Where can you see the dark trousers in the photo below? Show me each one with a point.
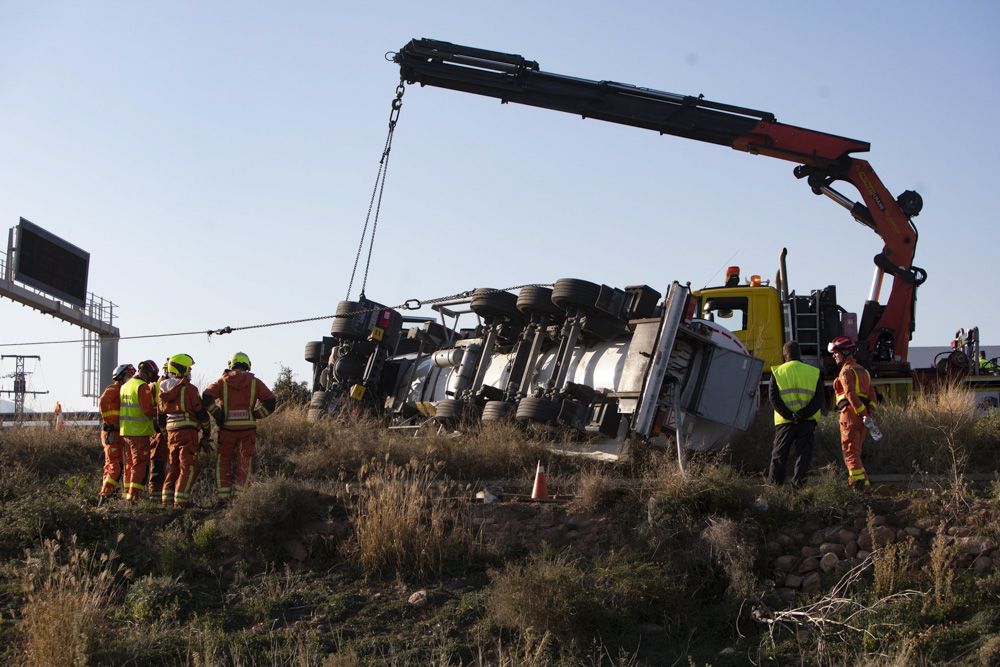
(785, 436)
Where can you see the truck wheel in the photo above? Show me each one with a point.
(496, 411)
(570, 293)
(492, 305)
(449, 410)
(346, 324)
(318, 406)
(536, 409)
(535, 300)
(314, 352)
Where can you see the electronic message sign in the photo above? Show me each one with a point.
(50, 264)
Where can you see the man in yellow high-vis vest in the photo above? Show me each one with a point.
(796, 392)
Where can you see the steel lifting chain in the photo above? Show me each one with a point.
(375, 202)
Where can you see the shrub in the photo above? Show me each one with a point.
(577, 601)
(268, 514)
(731, 550)
(69, 591)
(155, 598)
(406, 525)
(289, 392)
(48, 453)
(678, 500)
(25, 519)
(989, 652)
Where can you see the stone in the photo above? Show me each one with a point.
(418, 598)
(832, 548)
(845, 536)
(792, 581)
(960, 531)
(927, 523)
(842, 568)
(811, 583)
(773, 548)
(974, 546)
(879, 521)
(811, 525)
(883, 536)
(862, 554)
(914, 532)
(808, 565)
(810, 552)
(851, 549)
(828, 562)
(860, 523)
(651, 629)
(982, 565)
(830, 534)
(865, 540)
(785, 563)
(816, 538)
(785, 541)
(786, 594)
(295, 549)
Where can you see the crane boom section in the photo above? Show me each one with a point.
(823, 158)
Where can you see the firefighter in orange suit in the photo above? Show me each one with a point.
(137, 423)
(186, 419)
(236, 401)
(158, 452)
(853, 391)
(110, 405)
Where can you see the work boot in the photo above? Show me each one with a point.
(101, 500)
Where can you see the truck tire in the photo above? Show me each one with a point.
(493, 305)
(314, 352)
(570, 293)
(535, 300)
(346, 324)
(318, 405)
(497, 411)
(449, 410)
(536, 409)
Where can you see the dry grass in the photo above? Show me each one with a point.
(267, 514)
(68, 597)
(408, 522)
(731, 550)
(48, 453)
(942, 572)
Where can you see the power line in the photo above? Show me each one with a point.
(409, 304)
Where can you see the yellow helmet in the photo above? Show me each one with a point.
(239, 358)
(180, 364)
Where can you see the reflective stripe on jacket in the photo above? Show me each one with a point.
(855, 394)
(797, 385)
(136, 401)
(180, 402)
(241, 417)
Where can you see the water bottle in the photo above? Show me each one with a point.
(873, 428)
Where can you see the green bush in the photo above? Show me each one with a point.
(24, 520)
(577, 601)
(154, 598)
(267, 514)
(708, 489)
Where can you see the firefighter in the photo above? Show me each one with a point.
(796, 392)
(110, 405)
(137, 416)
(181, 403)
(236, 401)
(986, 365)
(853, 392)
(158, 448)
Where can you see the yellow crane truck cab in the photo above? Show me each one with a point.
(752, 312)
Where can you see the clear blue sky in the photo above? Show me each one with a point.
(216, 159)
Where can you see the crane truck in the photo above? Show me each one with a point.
(619, 362)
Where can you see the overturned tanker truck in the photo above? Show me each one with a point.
(603, 366)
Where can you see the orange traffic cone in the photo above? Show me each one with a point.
(541, 489)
